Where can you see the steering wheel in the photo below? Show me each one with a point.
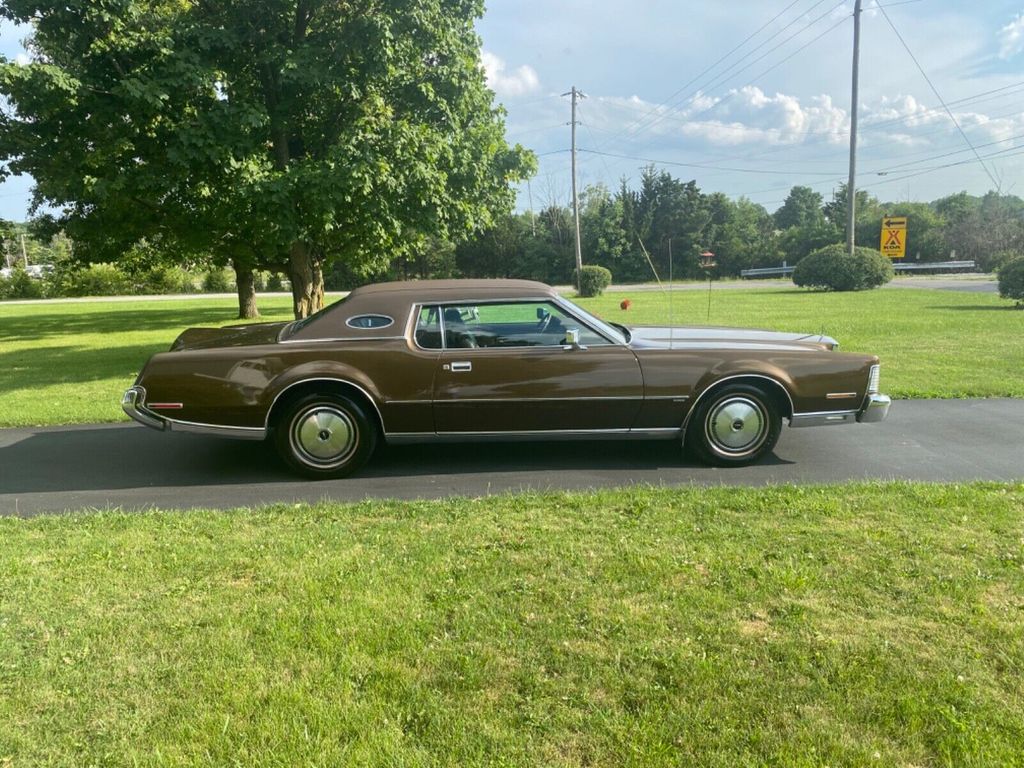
(542, 326)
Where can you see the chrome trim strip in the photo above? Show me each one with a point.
(840, 395)
(219, 430)
(404, 438)
(673, 398)
(789, 397)
(270, 410)
(349, 339)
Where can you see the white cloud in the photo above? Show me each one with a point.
(22, 59)
(749, 115)
(518, 82)
(1011, 38)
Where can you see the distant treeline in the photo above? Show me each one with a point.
(669, 216)
(659, 228)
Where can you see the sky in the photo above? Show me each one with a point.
(748, 97)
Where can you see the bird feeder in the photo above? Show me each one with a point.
(707, 260)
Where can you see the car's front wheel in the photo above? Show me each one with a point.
(735, 426)
(323, 436)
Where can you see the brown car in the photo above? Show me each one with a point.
(474, 360)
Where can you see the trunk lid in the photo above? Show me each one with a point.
(231, 336)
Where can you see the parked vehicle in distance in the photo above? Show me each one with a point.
(37, 271)
(474, 360)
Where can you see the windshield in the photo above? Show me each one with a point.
(297, 325)
(615, 332)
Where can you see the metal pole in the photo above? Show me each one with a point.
(851, 188)
(24, 256)
(575, 197)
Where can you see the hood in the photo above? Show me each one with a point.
(697, 336)
(231, 336)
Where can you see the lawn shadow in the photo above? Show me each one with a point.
(32, 368)
(40, 325)
(979, 308)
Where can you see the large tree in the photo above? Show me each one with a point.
(279, 134)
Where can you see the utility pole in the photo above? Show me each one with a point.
(576, 96)
(851, 188)
(24, 256)
(533, 218)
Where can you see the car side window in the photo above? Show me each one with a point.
(428, 328)
(513, 324)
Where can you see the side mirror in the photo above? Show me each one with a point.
(572, 339)
(542, 314)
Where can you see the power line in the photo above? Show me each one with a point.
(931, 85)
(720, 80)
(697, 165)
(638, 125)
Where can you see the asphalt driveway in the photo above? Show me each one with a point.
(130, 467)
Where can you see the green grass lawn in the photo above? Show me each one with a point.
(69, 363)
(847, 626)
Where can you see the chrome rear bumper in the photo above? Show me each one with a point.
(133, 403)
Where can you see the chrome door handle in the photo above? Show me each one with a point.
(461, 367)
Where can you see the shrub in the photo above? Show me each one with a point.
(593, 281)
(275, 282)
(163, 280)
(219, 281)
(20, 286)
(1011, 281)
(833, 269)
(98, 280)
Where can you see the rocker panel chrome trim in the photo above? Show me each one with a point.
(404, 438)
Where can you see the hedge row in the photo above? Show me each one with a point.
(110, 280)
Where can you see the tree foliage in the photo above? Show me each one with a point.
(277, 133)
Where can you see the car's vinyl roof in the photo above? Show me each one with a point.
(428, 290)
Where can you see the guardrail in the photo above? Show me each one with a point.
(927, 266)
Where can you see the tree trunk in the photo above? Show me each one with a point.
(306, 273)
(245, 278)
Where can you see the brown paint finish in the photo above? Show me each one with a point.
(232, 377)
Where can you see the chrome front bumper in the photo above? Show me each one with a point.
(133, 403)
(875, 409)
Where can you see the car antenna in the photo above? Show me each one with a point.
(671, 323)
(661, 284)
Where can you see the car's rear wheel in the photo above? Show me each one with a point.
(735, 426)
(325, 435)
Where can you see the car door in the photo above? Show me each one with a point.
(507, 367)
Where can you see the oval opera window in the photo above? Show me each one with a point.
(369, 321)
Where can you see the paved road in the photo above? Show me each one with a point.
(129, 466)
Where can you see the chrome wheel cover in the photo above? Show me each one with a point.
(736, 426)
(323, 436)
